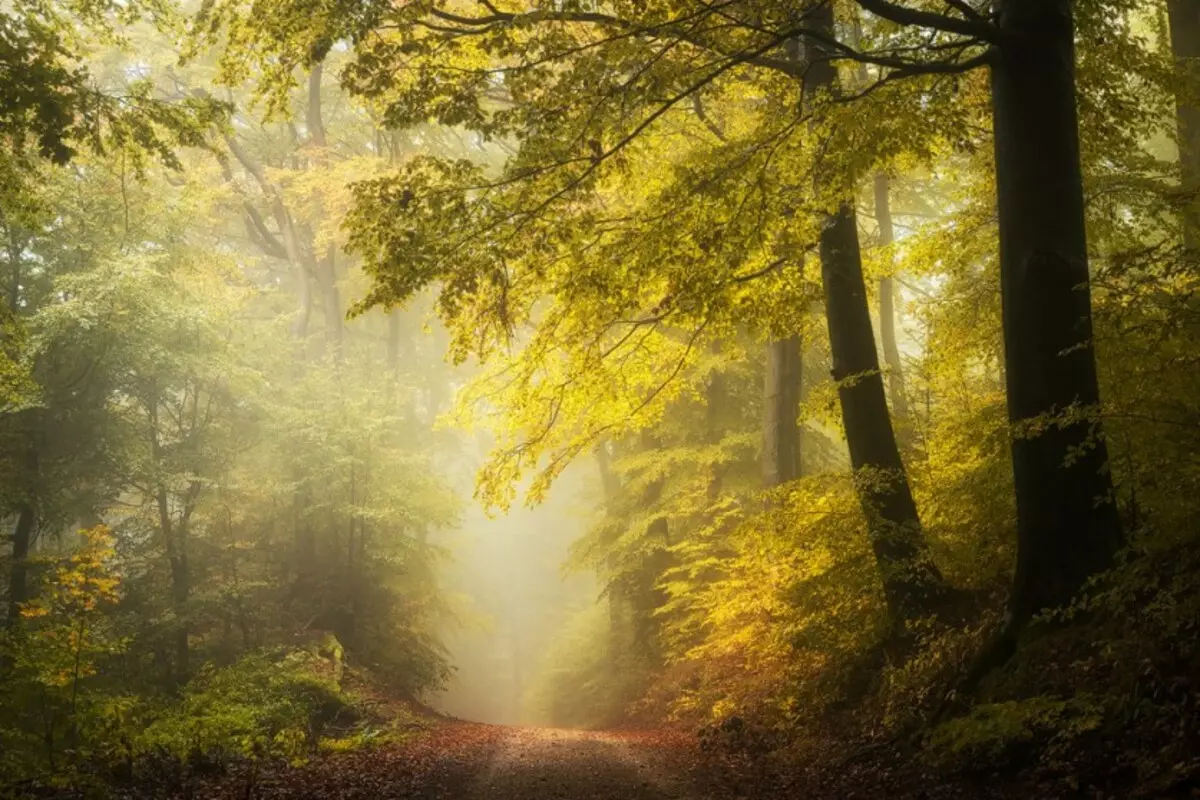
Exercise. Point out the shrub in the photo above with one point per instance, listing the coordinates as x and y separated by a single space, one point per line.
996 735
267 705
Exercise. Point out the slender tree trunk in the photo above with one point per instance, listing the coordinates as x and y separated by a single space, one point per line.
1067 523
1184 18
782 386
331 300
608 479
393 345
611 484
22 535
27 517
313 117
323 268
15 265
911 582
887 308
781 408
174 547
22 539
657 559
715 409
180 583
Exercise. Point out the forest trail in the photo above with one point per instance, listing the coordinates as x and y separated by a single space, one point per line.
468 761
551 763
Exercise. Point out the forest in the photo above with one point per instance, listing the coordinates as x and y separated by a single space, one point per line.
600 399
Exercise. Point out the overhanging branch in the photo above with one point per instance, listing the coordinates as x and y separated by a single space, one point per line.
902 15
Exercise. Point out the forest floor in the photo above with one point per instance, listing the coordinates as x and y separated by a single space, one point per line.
468 761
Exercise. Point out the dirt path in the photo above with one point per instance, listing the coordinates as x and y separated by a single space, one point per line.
462 761
542 763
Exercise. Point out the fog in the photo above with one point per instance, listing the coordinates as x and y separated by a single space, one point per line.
513 599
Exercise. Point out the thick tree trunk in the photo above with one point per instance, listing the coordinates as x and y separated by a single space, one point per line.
911 582
22 540
781 412
1067 523
1184 18
887 308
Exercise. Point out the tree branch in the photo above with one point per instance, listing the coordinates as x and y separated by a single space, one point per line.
713 128
262 235
967 10
902 15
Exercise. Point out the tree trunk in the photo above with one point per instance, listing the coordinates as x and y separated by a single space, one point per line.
1184 18
305 538
715 409
611 483
887 309
22 539
911 582
176 553
323 269
180 584
781 409
609 480
656 560
331 300
393 349
313 118
1067 525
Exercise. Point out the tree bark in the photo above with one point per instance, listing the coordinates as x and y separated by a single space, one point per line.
911 582
887 308
1067 525
1184 20
781 423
